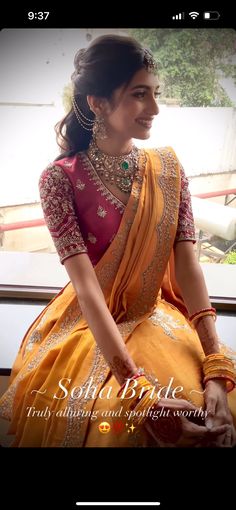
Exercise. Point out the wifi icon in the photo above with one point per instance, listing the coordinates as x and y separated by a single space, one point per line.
194 15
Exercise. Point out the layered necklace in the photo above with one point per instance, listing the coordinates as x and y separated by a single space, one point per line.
117 170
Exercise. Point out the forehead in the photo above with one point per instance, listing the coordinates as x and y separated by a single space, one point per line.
143 77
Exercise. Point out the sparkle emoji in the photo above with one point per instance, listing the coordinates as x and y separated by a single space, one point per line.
130 428
104 427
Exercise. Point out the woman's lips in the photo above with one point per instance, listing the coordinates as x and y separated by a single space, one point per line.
144 122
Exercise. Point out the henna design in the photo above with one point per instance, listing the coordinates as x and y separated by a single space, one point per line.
121 367
208 338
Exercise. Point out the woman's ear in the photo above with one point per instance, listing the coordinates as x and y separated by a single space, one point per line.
98 105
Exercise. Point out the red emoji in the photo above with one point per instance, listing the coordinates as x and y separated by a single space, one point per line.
118 426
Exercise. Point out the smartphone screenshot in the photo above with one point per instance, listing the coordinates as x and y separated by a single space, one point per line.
118 253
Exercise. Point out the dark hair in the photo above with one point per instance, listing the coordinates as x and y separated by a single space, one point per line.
107 63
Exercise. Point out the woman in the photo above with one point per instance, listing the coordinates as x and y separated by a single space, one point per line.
127 353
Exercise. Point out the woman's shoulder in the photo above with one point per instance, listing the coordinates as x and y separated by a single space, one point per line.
165 154
59 165
167 159
164 151
55 174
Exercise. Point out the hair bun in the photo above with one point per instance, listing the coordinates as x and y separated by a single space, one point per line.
79 59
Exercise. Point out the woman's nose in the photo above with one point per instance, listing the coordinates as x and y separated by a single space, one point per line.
153 107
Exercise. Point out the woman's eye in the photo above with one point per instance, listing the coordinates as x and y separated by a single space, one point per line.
139 94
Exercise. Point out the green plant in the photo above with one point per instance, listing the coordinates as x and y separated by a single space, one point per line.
192 62
231 258
67 97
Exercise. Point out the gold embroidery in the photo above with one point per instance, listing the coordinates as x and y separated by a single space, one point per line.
126 327
228 351
80 185
185 228
57 200
98 373
167 323
36 335
166 179
92 238
67 163
168 185
101 212
95 179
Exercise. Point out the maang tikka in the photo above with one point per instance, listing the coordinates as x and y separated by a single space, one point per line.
149 61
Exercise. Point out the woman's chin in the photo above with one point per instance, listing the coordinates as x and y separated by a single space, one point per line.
143 136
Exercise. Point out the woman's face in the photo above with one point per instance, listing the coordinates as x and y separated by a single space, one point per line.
132 108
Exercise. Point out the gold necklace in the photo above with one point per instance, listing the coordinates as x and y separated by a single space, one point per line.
118 170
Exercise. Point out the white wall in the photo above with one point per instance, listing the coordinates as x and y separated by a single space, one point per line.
203 138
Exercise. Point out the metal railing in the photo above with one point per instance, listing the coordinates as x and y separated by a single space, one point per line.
39 222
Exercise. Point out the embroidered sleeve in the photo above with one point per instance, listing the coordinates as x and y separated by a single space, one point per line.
185 228
57 200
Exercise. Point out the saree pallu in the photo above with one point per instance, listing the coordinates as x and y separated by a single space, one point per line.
62 392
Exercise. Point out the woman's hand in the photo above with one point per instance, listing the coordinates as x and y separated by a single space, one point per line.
174 429
218 412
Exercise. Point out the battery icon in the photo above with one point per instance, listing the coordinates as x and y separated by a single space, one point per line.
211 15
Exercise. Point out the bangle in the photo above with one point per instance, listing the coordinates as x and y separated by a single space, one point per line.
203 313
219 366
138 374
139 399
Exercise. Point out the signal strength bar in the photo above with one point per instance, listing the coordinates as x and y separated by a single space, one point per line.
178 16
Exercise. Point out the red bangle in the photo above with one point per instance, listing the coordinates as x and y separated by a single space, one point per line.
213 310
136 376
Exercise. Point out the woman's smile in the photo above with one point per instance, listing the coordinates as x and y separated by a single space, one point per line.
145 122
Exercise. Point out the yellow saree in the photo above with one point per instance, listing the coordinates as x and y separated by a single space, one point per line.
61 388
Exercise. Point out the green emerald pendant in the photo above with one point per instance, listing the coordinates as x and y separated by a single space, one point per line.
125 165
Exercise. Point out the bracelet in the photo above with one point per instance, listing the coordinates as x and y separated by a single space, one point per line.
219 366
139 399
138 374
203 313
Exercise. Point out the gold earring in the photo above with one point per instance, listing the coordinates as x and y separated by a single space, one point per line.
99 128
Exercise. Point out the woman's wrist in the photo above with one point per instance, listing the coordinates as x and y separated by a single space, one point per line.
123 368
221 383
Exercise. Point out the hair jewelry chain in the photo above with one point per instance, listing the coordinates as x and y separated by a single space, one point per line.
84 121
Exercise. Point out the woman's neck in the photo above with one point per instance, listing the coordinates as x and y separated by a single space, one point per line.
114 147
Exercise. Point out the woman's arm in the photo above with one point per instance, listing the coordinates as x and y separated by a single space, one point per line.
191 282
98 317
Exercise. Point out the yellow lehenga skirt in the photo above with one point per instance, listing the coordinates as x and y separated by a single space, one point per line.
62 392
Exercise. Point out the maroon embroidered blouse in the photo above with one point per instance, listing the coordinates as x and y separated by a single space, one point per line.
83 216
